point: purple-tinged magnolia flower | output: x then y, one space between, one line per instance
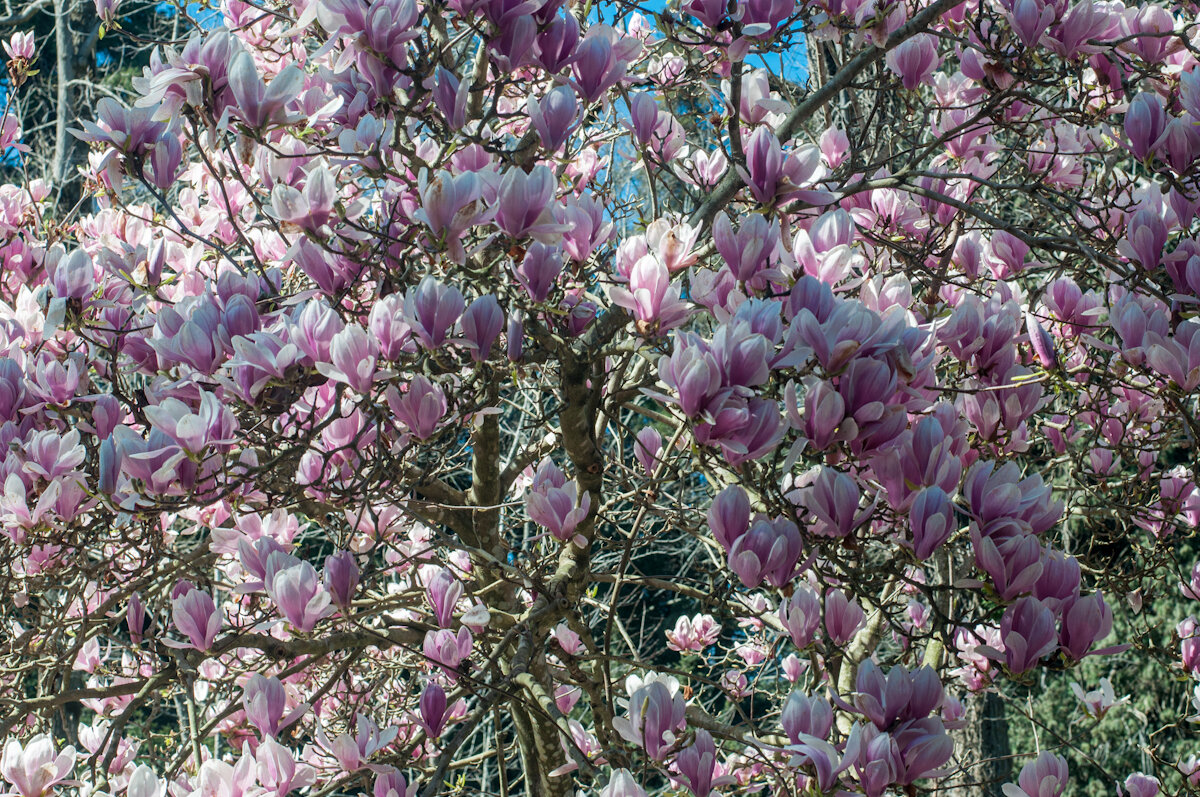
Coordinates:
1178 143
390 783
450 95
1085 622
622 784
1082 23
352 752
769 552
163 165
265 702
1058 585
554 117
651 297
876 758
514 46
389 329
772 174
824 420
647 448
843 617
998 493
931 520
824 759
353 354
254 557
515 336
1191 590
899 696
551 503
924 747
1028 632
448 649
444 592
803 715
800 616
556 42
21 45
1013 562
643 115
72 276
1177 357
298 595
136 618
1145 238
432 309
655 714
257 104
481 326
309 209
420 408
693 634
1188 632
754 430
523 206
693 372
195 615
751 251
331 272
450 205
433 714
833 499
1030 19
914 60
586 227
539 270
1041 342
698 763
761 17
34 769
729 516
341 578
130 130
601 60
1140 784
277 769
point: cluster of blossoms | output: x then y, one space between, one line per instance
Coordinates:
417 373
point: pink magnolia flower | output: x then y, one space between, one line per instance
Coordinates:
420 408
693 634
554 503
914 60
257 104
354 354
33 769
622 784
655 714
20 45
195 615
266 704
298 595
1098 702
448 649
651 297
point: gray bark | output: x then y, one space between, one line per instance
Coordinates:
983 749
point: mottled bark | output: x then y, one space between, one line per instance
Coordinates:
982 749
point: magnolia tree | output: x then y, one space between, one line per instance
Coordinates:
529 397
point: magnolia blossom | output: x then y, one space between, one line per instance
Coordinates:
33 769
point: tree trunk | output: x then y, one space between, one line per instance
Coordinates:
983 749
66 146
